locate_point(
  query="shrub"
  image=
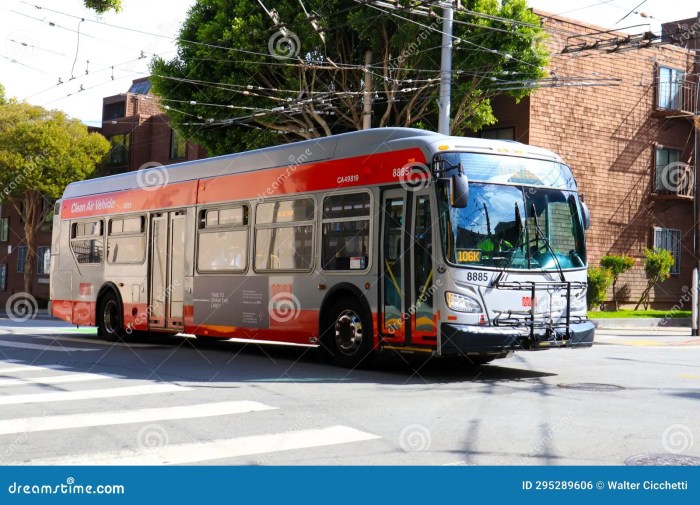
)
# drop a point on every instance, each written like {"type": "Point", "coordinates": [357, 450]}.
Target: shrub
{"type": "Point", "coordinates": [657, 267]}
{"type": "Point", "coordinates": [617, 265]}
{"type": "Point", "coordinates": [599, 280]}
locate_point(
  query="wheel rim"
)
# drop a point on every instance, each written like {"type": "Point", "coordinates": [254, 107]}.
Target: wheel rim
{"type": "Point", "coordinates": [348, 332]}
{"type": "Point", "coordinates": [110, 317]}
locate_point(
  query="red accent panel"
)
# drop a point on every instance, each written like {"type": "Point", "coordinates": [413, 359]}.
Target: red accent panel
{"type": "Point", "coordinates": [188, 315]}
{"type": "Point", "coordinates": [84, 313]}
{"type": "Point", "coordinates": [138, 321]}
{"type": "Point", "coordinates": [62, 309]}
{"type": "Point", "coordinates": [170, 195]}
{"type": "Point", "coordinates": [349, 172]}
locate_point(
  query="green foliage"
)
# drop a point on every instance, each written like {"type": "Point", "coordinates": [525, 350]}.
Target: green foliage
{"type": "Point", "coordinates": [2, 95]}
{"type": "Point", "coordinates": [617, 265]}
{"type": "Point", "coordinates": [657, 267]}
{"type": "Point", "coordinates": [41, 152]}
{"type": "Point", "coordinates": [319, 80]}
{"type": "Point", "coordinates": [599, 280]}
{"type": "Point", "coordinates": [102, 6]}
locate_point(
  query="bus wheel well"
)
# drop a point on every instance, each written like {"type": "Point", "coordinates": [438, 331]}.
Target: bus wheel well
{"type": "Point", "coordinates": [338, 292]}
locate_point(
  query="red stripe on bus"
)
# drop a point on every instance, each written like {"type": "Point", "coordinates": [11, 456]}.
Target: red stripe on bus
{"type": "Point", "coordinates": [362, 171]}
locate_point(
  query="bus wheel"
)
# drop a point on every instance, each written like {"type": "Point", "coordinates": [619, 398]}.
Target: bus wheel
{"type": "Point", "coordinates": [109, 317]}
{"type": "Point", "coordinates": [348, 337]}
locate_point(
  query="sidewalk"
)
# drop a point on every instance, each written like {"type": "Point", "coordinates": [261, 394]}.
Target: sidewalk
{"type": "Point", "coordinates": [642, 322]}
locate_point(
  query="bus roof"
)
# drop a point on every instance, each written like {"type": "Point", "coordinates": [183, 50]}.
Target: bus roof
{"type": "Point", "coordinates": [346, 145]}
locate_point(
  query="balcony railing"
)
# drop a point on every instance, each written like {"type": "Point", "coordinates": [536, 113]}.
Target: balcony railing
{"type": "Point", "coordinates": [676, 96]}
{"type": "Point", "coordinates": [675, 180]}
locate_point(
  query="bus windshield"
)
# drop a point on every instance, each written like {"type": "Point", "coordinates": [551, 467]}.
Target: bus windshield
{"type": "Point", "coordinates": [512, 226]}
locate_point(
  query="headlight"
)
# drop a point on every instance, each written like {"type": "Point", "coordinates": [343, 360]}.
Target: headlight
{"type": "Point", "coordinates": [461, 303]}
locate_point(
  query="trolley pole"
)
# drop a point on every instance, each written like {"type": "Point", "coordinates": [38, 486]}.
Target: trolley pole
{"type": "Point", "coordinates": [446, 69]}
{"type": "Point", "coordinates": [367, 109]}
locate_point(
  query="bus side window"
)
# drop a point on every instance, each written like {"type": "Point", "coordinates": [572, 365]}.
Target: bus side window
{"type": "Point", "coordinates": [284, 232]}
{"type": "Point", "coordinates": [345, 233]}
{"type": "Point", "coordinates": [222, 243]}
{"type": "Point", "coordinates": [87, 241]}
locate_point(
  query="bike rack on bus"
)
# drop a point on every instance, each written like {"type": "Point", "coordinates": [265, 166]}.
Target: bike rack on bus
{"type": "Point", "coordinates": [532, 287]}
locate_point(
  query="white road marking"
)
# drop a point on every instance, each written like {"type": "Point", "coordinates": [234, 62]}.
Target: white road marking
{"type": "Point", "coordinates": [30, 368]}
{"type": "Point", "coordinates": [92, 394]}
{"type": "Point", "coordinates": [57, 379]}
{"type": "Point", "coordinates": [218, 449]}
{"type": "Point", "coordinates": [63, 422]}
{"type": "Point", "coordinates": [37, 347]}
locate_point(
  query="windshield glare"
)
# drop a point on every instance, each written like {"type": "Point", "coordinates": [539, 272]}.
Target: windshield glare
{"type": "Point", "coordinates": [517, 227]}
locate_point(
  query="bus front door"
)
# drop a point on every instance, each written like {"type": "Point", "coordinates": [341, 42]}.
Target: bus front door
{"type": "Point", "coordinates": [423, 283]}
{"type": "Point", "coordinates": [167, 271]}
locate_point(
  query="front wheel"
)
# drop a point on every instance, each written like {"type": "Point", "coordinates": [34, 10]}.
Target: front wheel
{"type": "Point", "coordinates": [348, 334]}
{"type": "Point", "coordinates": [110, 317]}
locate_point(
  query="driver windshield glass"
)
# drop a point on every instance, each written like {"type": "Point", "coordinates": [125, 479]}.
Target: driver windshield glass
{"type": "Point", "coordinates": [517, 227]}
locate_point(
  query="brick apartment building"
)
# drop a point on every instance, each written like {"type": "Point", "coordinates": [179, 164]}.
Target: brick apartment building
{"type": "Point", "coordinates": [618, 138]}
{"type": "Point", "coordinates": [140, 133]}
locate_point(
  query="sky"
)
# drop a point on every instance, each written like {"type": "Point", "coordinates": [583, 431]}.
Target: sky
{"type": "Point", "coordinates": [60, 55]}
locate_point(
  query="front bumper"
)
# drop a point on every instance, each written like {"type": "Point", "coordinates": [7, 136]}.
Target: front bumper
{"type": "Point", "coordinates": [459, 339]}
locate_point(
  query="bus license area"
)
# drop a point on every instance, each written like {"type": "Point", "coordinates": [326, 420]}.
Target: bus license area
{"type": "Point", "coordinates": [346, 179]}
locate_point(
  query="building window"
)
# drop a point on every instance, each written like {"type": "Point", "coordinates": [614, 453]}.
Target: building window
{"type": "Point", "coordinates": [178, 146]}
{"type": "Point", "coordinates": [3, 276]}
{"type": "Point", "coordinates": [670, 89]}
{"type": "Point", "coordinates": [119, 153]}
{"type": "Point", "coordinates": [114, 110]}
{"type": "Point", "coordinates": [498, 133]}
{"type": "Point", "coordinates": [284, 235]}
{"type": "Point", "coordinates": [21, 258]}
{"type": "Point", "coordinates": [43, 260]}
{"type": "Point", "coordinates": [4, 229]}
{"type": "Point", "coordinates": [141, 87]}
{"type": "Point", "coordinates": [665, 238]}
{"type": "Point", "coordinates": [671, 178]}
{"type": "Point", "coordinates": [345, 233]}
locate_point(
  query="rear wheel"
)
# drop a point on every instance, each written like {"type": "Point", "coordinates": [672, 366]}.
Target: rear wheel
{"type": "Point", "coordinates": [110, 317]}
{"type": "Point", "coordinates": [348, 334]}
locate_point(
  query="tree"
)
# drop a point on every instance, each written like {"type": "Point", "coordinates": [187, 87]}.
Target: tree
{"type": "Point", "coordinates": [657, 267]}
{"type": "Point", "coordinates": [41, 152]}
{"type": "Point", "coordinates": [598, 283]}
{"type": "Point", "coordinates": [245, 76]}
{"type": "Point", "coordinates": [102, 6]}
{"type": "Point", "coordinates": [617, 265]}
{"type": "Point", "coordinates": [2, 95]}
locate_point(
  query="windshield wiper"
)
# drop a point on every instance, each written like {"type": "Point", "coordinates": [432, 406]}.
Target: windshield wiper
{"type": "Point", "coordinates": [545, 240]}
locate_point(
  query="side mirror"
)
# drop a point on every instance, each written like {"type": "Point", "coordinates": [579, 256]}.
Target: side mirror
{"type": "Point", "coordinates": [585, 214]}
{"type": "Point", "coordinates": [459, 191]}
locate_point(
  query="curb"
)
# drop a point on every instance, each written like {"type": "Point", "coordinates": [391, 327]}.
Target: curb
{"type": "Point", "coordinates": [642, 322]}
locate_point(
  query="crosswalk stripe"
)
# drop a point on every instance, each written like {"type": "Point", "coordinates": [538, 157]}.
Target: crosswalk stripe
{"type": "Point", "coordinates": [94, 341]}
{"type": "Point", "coordinates": [92, 394]}
{"type": "Point", "coordinates": [57, 379]}
{"type": "Point", "coordinates": [30, 368]}
{"type": "Point", "coordinates": [218, 449]}
{"type": "Point", "coordinates": [62, 422]}
{"type": "Point", "coordinates": [38, 347]}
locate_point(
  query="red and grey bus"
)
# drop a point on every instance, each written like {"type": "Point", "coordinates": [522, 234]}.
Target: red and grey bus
{"type": "Point", "coordinates": [384, 239]}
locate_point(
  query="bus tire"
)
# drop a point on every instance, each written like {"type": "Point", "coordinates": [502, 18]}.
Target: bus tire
{"type": "Point", "coordinates": [110, 317]}
{"type": "Point", "coordinates": [348, 334]}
